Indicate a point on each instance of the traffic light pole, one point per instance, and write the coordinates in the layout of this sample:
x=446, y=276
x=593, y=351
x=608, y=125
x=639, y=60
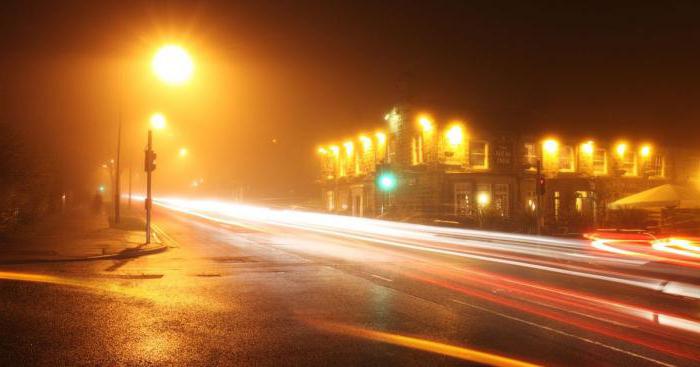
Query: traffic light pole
x=117, y=180
x=149, y=199
x=540, y=193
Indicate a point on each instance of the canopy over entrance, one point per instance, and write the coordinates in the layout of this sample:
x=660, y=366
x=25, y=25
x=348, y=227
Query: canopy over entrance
x=664, y=196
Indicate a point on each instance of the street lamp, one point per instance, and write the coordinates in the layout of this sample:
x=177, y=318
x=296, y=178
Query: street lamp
x=158, y=121
x=173, y=64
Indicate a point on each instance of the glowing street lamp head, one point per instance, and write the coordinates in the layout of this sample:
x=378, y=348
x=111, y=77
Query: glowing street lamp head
x=322, y=151
x=172, y=64
x=621, y=149
x=425, y=123
x=645, y=151
x=381, y=137
x=366, y=142
x=101, y=188
x=158, y=121
x=455, y=135
x=550, y=146
x=349, y=146
x=587, y=147
x=483, y=198
x=335, y=150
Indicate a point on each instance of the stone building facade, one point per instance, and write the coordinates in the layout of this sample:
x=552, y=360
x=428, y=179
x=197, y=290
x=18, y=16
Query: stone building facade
x=447, y=172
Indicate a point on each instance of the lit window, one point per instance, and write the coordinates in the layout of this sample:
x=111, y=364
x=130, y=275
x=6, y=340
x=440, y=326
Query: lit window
x=501, y=198
x=655, y=166
x=417, y=156
x=530, y=156
x=600, y=162
x=566, y=159
x=478, y=154
x=463, y=199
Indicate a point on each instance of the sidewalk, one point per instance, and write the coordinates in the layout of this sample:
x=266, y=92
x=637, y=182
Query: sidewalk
x=78, y=235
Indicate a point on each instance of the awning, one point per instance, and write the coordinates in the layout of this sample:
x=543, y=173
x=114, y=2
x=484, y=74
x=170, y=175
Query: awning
x=664, y=196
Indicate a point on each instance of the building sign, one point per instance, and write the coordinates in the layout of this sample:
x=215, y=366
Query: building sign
x=502, y=154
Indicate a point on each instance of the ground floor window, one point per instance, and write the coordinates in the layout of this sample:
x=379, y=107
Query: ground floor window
x=463, y=200
x=501, y=199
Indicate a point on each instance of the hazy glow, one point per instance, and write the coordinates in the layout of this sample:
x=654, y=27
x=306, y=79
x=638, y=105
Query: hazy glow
x=381, y=137
x=425, y=123
x=587, y=147
x=483, y=198
x=158, y=121
x=322, y=150
x=366, y=142
x=335, y=150
x=620, y=149
x=455, y=135
x=645, y=151
x=172, y=64
x=550, y=146
x=387, y=181
x=349, y=147
x=183, y=152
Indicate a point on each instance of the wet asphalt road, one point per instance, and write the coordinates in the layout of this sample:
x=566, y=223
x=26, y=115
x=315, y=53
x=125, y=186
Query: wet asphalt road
x=235, y=295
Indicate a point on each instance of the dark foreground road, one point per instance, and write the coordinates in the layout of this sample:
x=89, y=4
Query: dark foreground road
x=251, y=291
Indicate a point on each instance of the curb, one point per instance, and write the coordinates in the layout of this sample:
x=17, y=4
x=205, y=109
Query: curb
x=124, y=254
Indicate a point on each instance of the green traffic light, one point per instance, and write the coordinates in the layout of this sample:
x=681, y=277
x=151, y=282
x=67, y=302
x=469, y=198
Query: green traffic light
x=387, y=181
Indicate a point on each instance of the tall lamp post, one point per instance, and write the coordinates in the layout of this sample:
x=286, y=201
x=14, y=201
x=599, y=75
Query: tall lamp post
x=173, y=65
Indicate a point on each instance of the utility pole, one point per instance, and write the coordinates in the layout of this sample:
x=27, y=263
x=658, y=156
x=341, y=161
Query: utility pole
x=117, y=189
x=149, y=167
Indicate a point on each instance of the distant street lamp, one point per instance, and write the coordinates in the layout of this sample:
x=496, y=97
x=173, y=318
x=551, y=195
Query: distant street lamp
x=158, y=121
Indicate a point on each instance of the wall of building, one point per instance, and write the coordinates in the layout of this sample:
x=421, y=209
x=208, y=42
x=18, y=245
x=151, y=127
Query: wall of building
x=450, y=171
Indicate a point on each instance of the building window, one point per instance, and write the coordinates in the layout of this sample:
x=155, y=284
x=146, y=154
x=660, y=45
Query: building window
x=530, y=156
x=501, y=198
x=656, y=166
x=585, y=205
x=464, y=202
x=629, y=164
x=417, y=156
x=566, y=159
x=478, y=154
x=600, y=162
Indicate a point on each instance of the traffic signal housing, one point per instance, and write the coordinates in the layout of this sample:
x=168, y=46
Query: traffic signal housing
x=150, y=161
x=540, y=185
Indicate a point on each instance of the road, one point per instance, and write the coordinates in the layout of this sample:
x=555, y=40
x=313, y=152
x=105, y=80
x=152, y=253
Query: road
x=250, y=286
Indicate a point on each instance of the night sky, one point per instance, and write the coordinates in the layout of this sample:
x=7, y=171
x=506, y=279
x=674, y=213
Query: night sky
x=305, y=73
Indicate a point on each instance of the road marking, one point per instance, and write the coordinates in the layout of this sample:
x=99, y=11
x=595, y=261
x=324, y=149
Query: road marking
x=584, y=339
x=381, y=277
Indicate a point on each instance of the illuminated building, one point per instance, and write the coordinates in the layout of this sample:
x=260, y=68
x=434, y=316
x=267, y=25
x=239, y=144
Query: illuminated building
x=451, y=171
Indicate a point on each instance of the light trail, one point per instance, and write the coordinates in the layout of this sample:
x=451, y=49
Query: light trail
x=418, y=237
x=654, y=329
x=466, y=354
